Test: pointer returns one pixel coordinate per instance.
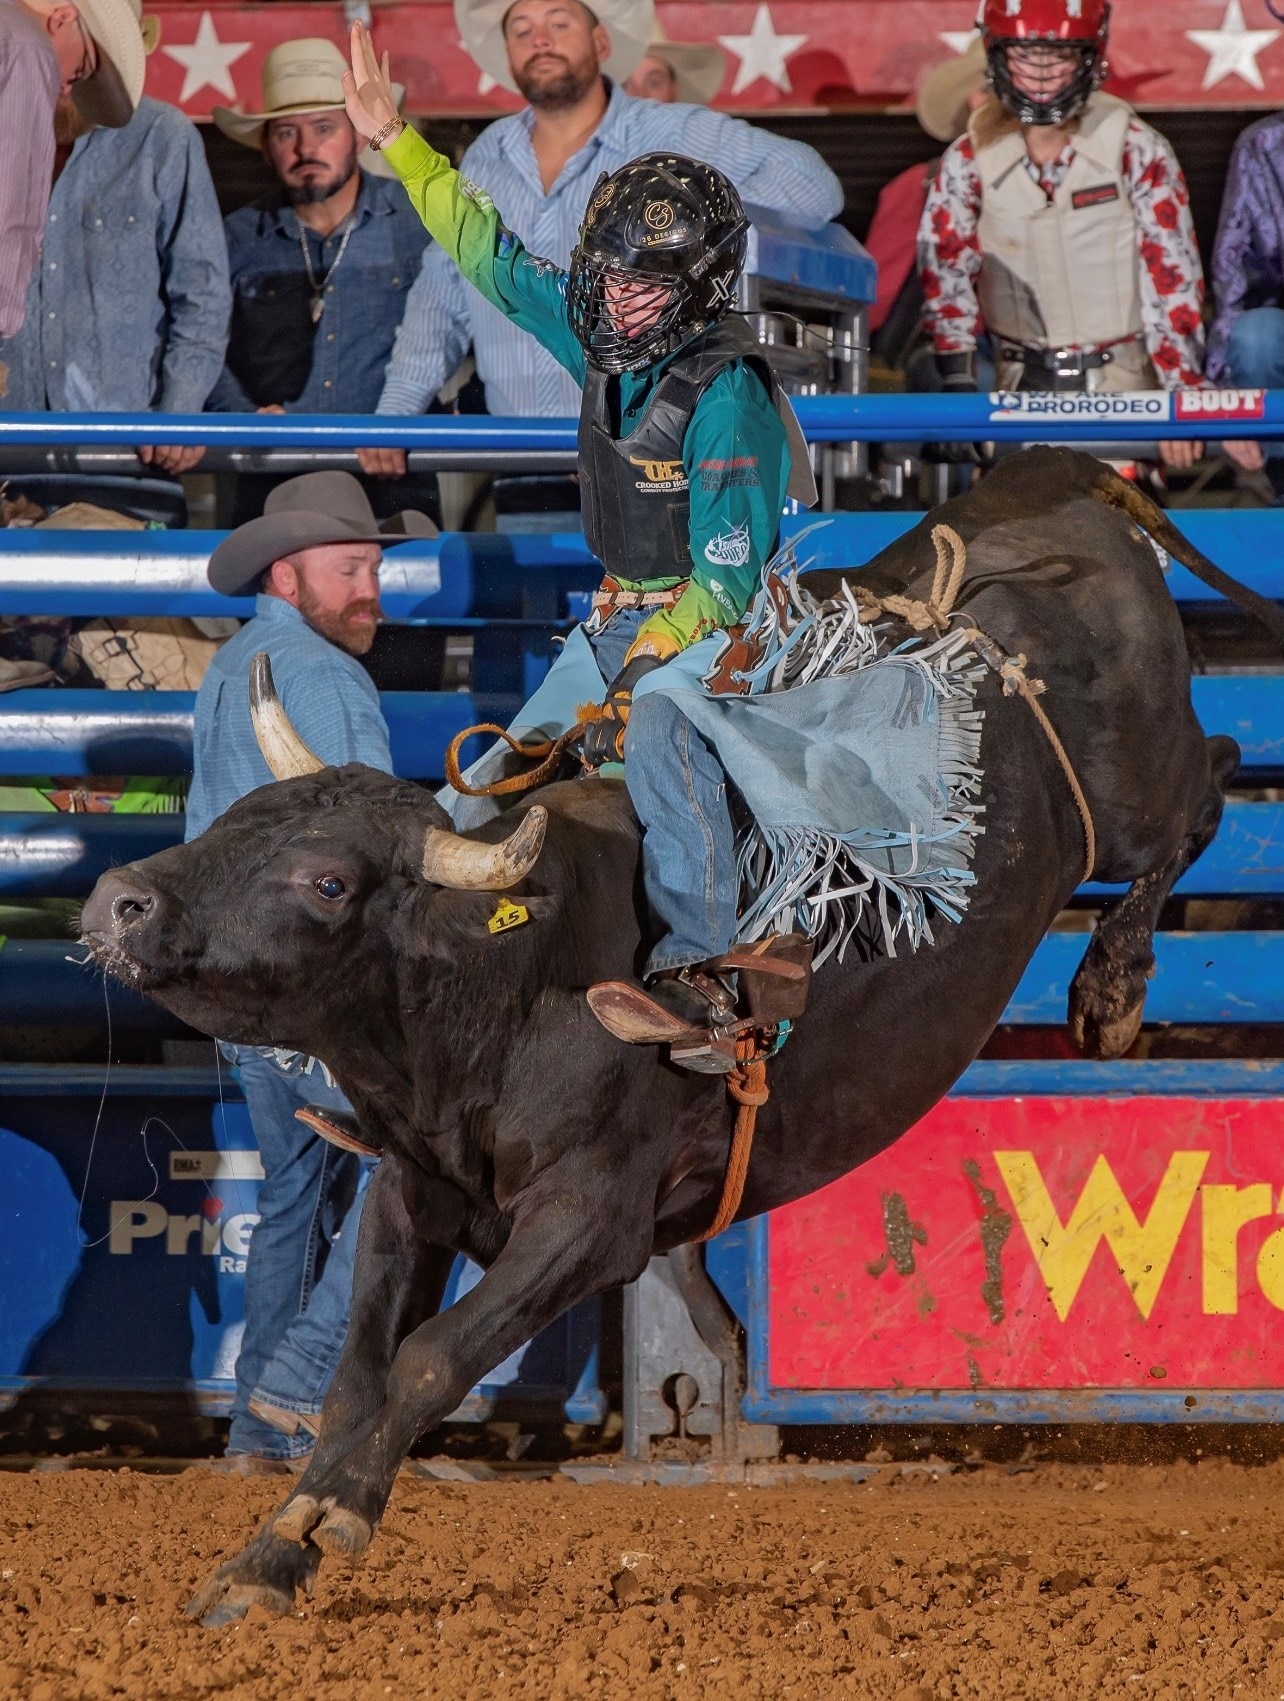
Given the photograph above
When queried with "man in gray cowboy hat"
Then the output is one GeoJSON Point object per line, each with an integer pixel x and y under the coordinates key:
{"type": "Point", "coordinates": [313, 561]}
{"type": "Point", "coordinates": [90, 50]}
{"type": "Point", "coordinates": [540, 166]}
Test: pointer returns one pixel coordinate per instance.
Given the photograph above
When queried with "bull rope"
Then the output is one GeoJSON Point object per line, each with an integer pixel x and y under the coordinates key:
{"type": "Point", "coordinates": [937, 614]}
{"type": "Point", "coordinates": [748, 1087]}
{"type": "Point", "coordinates": [550, 749]}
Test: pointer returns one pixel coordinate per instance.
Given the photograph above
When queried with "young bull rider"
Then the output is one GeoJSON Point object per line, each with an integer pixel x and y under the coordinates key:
{"type": "Point", "coordinates": [687, 450]}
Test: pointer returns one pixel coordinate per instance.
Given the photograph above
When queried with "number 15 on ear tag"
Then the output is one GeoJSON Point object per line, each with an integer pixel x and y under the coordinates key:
{"type": "Point", "coordinates": [508, 915]}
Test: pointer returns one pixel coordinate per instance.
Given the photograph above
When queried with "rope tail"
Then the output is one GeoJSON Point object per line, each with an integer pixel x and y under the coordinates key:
{"type": "Point", "coordinates": [1117, 492]}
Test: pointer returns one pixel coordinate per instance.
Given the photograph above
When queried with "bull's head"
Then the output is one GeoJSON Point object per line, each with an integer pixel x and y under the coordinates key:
{"type": "Point", "coordinates": [255, 931]}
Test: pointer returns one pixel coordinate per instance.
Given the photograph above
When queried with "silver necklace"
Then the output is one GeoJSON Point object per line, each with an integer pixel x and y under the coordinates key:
{"type": "Point", "coordinates": [316, 305]}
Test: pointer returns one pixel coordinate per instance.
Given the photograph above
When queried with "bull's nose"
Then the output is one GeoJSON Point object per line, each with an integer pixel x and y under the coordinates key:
{"type": "Point", "coordinates": [118, 902]}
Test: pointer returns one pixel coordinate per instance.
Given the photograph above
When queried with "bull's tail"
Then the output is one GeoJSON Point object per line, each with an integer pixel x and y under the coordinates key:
{"type": "Point", "coordinates": [1117, 492]}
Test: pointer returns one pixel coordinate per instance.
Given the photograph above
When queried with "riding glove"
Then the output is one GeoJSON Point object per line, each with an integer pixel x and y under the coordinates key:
{"type": "Point", "coordinates": [604, 739]}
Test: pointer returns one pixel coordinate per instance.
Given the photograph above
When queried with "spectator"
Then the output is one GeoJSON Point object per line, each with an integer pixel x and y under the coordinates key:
{"type": "Point", "coordinates": [1061, 222]}
{"type": "Point", "coordinates": [540, 166]}
{"type": "Point", "coordinates": [128, 310]}
{"type": "Point", "coordinates": [313, 559]}
{"type": "Point", "coordinates": [90, 50]}
{"type": "Point", "coordinates": [950, 94]}
{"type": "Point", "coordinates": [1246, 344]}
{"type": "Point", "coordinates": [687, 71]}
{"type": "Point", "coordinates": [321, 267]}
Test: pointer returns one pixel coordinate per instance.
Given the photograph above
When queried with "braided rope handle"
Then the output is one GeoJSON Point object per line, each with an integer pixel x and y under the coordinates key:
{"type": "Point", "coordinates": [550, 749]}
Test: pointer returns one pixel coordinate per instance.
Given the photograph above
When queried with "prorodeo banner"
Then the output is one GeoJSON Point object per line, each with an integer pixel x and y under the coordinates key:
{"type": "Point", "coordinates": [1216, 407]}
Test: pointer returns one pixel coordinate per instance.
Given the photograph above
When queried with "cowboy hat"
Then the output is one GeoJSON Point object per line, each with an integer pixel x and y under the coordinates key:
{"type": "Point", "coordinates": [300, 76]}
{"type": "Point", "coordinates": [305, 513]}
{"type": "Point", "coordinates": [124, 38]}
{"type": "Point", "coordinates": [698, 66]}
{"type": "Point", "coordinates": [629, 23]}
{"type": "Point", "coordinates": [944, 99]}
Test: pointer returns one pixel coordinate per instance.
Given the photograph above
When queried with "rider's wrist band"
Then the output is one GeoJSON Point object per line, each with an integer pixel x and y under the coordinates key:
{"type": "Point", "coordinates": [394, 125]}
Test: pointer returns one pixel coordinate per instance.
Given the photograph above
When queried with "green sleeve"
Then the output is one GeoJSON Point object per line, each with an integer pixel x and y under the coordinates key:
{"type": "Point", "coordinates": [736, 457]}
{"type": "Point", "coordinates": [462, 218]}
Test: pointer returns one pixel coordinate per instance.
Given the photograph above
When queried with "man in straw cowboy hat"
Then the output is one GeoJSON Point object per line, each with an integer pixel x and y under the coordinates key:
{"type": "Point", "coordinates": [128, 312]}
{"type": "Point", "coordinates": [312, 562]}
{"type": "Point", "coordinates": [688, 448]}
{"type": "Point", "coordinates": [690, 71]}
{"type": "Point", "coordinates": [322, 266]}
{"type": "Point", "coordinates": [91, 50]}
{"type": "Point", "coordinates": [540, 165]}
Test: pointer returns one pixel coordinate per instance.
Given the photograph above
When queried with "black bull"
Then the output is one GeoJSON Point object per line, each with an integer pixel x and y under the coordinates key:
{"type": "Point", "coordinates": [519, 1132]}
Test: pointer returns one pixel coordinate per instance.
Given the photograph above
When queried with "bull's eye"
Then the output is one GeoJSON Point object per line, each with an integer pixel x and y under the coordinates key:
{"type": "Point", "coordinates": [330, 886]}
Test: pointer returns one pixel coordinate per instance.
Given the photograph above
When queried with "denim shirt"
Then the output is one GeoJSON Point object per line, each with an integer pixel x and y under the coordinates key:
{"type": "Point", "coordinates": [330, 699]}
{"type": "Point", "coordinates": [275, 353]}
{"type": "Point", "coordinates": [128, 308]}
{"type": "Point", "coordinates": [444, 314]}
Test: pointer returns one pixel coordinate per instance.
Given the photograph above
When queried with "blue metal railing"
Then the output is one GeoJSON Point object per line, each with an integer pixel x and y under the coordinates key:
{"type": "Point", "coordinates": [1132, 416]}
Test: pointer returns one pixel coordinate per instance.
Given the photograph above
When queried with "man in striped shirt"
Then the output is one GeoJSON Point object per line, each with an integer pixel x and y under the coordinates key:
{"type": "Point", "coordinates": [539, 168]}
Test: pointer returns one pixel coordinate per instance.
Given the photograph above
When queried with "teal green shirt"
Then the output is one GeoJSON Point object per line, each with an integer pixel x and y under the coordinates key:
{"type": "Point", "coordinates": [736, 454]}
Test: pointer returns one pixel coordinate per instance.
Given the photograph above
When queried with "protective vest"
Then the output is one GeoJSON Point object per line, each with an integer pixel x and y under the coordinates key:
{"type": "Point", "coordinates": [1061, 274]}
{"type": "Point", "coordinates": [634, 493]}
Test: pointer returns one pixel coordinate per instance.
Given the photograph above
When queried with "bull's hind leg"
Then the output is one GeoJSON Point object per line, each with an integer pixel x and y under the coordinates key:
{"type": "Point", "coordinates": [399, 1278]}
{"type": "Point", "coordinates": [1108, 993]}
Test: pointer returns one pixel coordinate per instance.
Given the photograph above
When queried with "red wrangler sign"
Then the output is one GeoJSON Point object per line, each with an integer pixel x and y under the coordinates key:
{"type": "Point", "coordinates": [1042, 1244]}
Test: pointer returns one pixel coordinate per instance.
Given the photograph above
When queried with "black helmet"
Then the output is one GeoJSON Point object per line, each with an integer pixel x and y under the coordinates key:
{"type": "Point", "coordinates": [663, 221]}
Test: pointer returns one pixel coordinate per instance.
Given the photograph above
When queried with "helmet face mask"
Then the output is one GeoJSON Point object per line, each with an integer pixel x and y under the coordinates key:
{"type": "Point", "coordinates": [661, 249]}
{"type": "Point", "coordinates": [1032, 44]}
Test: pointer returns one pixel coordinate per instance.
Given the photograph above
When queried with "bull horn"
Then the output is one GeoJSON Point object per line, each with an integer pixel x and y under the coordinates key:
{"type": "Point", "coordinates": [283, 750]}
{"type": "Point", "coordinates": [468, 866]}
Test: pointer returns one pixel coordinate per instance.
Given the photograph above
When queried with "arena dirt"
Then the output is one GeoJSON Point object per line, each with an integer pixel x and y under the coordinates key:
{"type": "Point", "coordinates": [1059, 1581]}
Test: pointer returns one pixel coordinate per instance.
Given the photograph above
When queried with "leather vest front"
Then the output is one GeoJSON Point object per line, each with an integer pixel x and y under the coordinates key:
{"type": "Point", "coordinates": [1065, 273]}
{"type": "Point", "coordinates": [634, 494]}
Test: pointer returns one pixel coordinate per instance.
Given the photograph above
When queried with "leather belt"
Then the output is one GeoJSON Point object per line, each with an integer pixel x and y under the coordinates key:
{"type": "Point", "coordinates": [1062, 367]}
{"type": "Point", "coordinates": [611, 595]}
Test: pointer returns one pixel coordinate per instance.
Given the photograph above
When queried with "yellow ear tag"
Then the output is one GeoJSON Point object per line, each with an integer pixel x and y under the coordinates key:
{"type": "Point", "coordinates": [508, 914]}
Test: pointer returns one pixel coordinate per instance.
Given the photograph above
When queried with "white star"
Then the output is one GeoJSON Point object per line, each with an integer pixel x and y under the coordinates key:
{"type": "Point", "coordinates": [1233, 49]}
{"type": "Point", "coordinates": [485, 83]}
{"type": "Point", "coordinates": [958, 40]}
{"type": "Point", "coordinates": [762, 53]}
{"type": "Point", "coordinates": [207, 62]}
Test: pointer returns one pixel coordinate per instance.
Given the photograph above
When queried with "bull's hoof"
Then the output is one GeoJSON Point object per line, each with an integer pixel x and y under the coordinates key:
{"type": "Point", "coordinates": [343, 1534]}
{"type": "Point", "coordinates": [265, 1573]}
{"type": "Point", "coordinates": [222, 1602]}
{"type": "Point", "coordinates": [1104, 1038]}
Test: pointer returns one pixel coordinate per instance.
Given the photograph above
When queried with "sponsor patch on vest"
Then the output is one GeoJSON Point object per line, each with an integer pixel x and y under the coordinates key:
{"type": "Point", "coordinates": [1221, 404]}
{"type": "Point", "coordinates": [1097, 196]}
{"type": "Point", "coordinates": [659, 477]}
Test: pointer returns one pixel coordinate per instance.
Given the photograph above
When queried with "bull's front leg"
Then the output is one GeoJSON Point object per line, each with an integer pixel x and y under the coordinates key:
{"type": "Point", "coordinates": [568, 1244]}
{"type": "Point", "coordinates": [400, 1273]}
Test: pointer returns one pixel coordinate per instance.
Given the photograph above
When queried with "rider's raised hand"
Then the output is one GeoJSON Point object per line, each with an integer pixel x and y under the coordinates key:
{"type": "Point", "coordinates": [367, 88]}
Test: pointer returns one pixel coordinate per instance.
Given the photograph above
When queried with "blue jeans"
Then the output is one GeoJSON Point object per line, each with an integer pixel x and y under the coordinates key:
{"type": "Point", "coordinates": [298, 1273]}
{"type": "Point", "coordinates": [679, 792]}
{"type": "Point", "coordinates": [1255, 356]}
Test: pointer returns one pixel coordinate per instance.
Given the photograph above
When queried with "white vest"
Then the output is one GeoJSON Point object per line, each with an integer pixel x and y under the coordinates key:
{"type": "Point", "coordinates": [1061, 274]}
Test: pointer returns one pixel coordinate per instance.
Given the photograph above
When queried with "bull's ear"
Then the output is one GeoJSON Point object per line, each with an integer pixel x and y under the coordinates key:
{"type": "Point", "coordinates": [482, 920]}
{"type": "Point", "coordinates": [471, 865]}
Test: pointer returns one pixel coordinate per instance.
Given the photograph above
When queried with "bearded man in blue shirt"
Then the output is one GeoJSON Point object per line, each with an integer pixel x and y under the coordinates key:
{"type": "Point", "coordinates": [541, 165]}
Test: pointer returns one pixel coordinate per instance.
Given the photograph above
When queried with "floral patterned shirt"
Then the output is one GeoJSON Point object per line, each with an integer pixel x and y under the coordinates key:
{"type": "Point", "coordinates": [1172, 276]}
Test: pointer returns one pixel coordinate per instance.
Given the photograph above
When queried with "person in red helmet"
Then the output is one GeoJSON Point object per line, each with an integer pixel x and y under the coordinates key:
{"type": "Point", "coordinates": [1060, 222]}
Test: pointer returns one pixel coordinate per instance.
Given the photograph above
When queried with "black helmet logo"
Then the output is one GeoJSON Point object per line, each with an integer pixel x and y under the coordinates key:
{"type": "Point", "coordinates": [659, 216]}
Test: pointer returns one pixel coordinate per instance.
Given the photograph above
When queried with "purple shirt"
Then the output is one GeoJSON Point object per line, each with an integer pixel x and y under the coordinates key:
{"type": "Point", "coordinates": [29, 84]}
{"type": "Point", "coordinates": [1248, 261]}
